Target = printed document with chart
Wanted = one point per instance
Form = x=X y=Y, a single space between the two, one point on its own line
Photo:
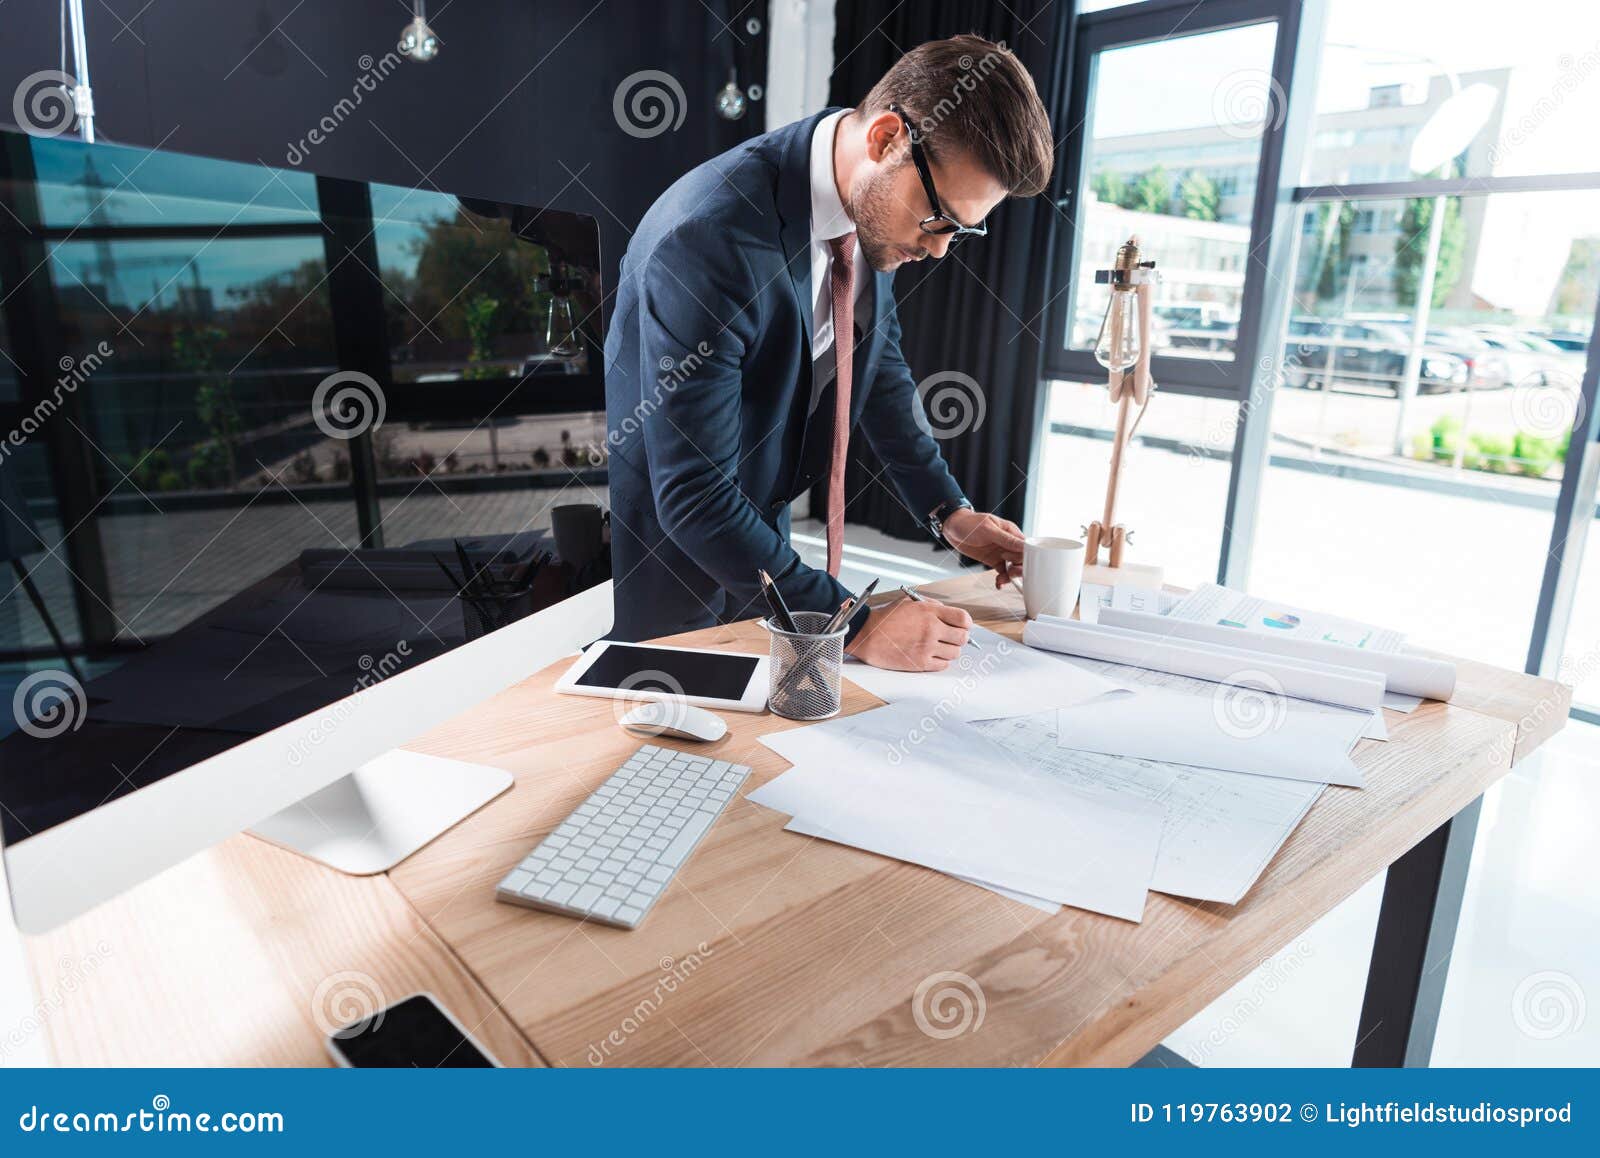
x=1211 y=603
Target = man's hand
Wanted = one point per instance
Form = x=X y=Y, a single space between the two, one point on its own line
x=991 y=540
x=912 y=636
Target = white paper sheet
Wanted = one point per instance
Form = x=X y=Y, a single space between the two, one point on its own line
x=995 y=677
x=1221 y=829
x=1092 y=599
x=1233 y=729
x=806 y=828
x=1210 y=603
x=1126 y=597
x=1302 y=678
x=951 y=798
x=1411 y=674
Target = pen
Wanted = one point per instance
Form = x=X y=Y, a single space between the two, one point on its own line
x=847 y=612
x=915 y=598
x=780 y=610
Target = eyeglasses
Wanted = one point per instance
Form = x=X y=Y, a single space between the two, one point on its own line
x=938 y=222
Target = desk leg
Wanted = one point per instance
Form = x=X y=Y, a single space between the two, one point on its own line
x=1411 y=951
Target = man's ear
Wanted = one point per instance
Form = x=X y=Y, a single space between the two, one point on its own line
x=886 y=138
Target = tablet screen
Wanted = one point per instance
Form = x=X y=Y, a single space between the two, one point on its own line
x=690 y=673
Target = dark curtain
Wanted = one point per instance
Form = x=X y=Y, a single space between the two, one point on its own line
x=979 y=311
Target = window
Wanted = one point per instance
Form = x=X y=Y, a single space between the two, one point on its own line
x=1417 y=90
x=1174 y=163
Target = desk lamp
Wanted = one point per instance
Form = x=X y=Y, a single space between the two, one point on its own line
x=1123 y=348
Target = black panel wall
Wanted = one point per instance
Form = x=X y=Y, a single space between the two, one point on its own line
x=518 y=105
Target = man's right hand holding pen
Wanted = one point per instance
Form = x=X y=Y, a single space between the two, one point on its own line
x=912 y=634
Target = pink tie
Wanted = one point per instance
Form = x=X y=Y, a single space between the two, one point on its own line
x=842 y=281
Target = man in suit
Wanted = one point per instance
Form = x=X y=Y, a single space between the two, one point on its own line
x=755 y=328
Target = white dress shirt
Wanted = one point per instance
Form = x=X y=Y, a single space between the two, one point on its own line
x=828 y=220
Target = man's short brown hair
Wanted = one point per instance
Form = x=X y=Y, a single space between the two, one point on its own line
x=973 y=95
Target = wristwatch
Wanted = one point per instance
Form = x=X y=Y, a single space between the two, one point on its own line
x=937 y=517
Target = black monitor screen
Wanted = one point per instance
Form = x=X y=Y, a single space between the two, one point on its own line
x=254 y=410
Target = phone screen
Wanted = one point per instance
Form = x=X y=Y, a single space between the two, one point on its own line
x=414 y=1032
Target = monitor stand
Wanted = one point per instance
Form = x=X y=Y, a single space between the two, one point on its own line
x=388 y=808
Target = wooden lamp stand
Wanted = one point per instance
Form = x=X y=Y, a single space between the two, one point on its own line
x=1129 y=386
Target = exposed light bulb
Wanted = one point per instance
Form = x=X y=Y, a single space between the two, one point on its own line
x=417 y=41
x=1117 y=347
x=731 y=101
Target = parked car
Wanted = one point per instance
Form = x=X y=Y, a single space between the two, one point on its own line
x=1568 y=340
x=1525 y=362
x=1490 y=368
x=1325 y=354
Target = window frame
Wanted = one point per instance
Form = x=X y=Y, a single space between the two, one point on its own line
x=1150 y=22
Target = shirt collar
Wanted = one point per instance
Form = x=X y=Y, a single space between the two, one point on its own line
x=828 y=216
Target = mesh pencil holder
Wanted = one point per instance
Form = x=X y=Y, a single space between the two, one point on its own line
x=806 y=668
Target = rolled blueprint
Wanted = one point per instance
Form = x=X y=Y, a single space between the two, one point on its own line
x=1302 y=678
x=1412 y=675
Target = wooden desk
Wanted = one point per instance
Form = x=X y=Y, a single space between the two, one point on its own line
x=770 y=948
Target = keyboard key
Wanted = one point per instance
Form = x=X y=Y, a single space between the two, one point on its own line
x=658 y=872
x=628 y=914
x=585 y=897
x=516 y=879
x=561 y=893
x=686 y=840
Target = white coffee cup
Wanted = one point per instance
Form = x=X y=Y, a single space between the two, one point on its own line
x=1052 y=573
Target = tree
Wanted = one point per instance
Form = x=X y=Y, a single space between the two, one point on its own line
x=479 y=316
x=1111 y=187
x=1200 y=198
x=1411 y=250
x=194 y=349
x=1152 y=192
x=1332 y=269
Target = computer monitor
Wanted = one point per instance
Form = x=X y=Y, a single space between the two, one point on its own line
x=246 y=676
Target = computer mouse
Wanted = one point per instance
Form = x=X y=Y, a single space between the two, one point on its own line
x=675 y=718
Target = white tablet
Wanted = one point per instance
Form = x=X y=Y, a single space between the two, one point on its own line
x=734 y=680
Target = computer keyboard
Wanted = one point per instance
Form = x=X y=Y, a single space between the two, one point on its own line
x=618 y=851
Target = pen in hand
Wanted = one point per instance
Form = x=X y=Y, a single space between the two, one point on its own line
x=915 y=598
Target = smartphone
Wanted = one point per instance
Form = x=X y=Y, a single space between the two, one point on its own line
x=417 y=1031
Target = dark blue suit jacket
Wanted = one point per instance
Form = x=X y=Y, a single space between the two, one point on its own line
x=708 y=384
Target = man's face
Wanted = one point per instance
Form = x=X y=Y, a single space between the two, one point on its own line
x=887 y=200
